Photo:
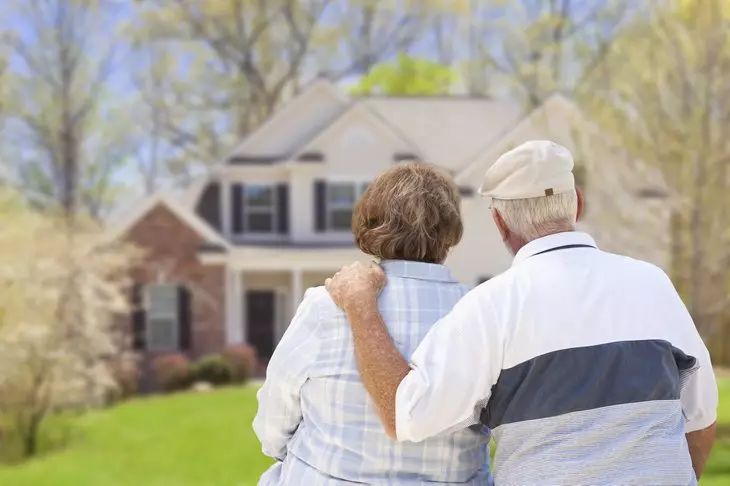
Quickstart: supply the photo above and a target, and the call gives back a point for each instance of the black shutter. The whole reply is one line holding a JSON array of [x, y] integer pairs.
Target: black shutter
[[138, 318], [282, 208], [184, 317], [237, 208], [320, 206]]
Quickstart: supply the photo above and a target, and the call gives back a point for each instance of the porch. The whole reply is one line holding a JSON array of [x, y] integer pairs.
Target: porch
[[264, 287]]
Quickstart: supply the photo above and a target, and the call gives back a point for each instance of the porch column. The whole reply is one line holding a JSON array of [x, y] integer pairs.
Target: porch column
[[240, 302], [296, 289], [235, 332]]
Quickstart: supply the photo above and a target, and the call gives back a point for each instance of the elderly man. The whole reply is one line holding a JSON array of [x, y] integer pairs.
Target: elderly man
[[586, 365]]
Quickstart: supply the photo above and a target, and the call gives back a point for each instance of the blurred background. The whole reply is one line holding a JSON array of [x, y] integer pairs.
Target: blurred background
[[176, 173]]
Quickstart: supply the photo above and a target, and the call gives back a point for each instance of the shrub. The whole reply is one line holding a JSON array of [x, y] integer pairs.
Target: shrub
[[242, 359], [212, 369], [126, 376], [172, 371]]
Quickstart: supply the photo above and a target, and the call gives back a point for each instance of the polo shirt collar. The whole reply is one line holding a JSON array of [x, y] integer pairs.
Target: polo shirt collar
[[417, 270], [552, 241]]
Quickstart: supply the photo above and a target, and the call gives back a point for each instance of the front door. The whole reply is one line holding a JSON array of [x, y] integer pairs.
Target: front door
[[260, 314]]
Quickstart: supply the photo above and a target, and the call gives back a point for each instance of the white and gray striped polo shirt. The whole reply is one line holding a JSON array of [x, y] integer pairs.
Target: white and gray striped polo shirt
[[586, 365]]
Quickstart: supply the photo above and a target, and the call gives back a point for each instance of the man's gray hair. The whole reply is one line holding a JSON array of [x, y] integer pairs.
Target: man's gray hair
[[536, 217]]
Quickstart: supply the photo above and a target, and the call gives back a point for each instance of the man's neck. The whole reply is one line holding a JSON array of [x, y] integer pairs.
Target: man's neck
[[515, 243]]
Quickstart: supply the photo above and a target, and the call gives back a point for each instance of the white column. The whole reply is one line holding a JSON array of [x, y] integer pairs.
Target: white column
[[234, 302], [240, 291], [225, 192], [296, 289]]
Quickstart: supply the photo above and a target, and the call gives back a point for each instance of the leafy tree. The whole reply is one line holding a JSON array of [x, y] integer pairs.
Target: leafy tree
[[662, 91], [58, 338], [407, 76], [66, 130], [529, 49]]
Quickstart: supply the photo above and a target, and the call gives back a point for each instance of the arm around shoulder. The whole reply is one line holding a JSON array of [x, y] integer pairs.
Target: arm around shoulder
[[453, 370]]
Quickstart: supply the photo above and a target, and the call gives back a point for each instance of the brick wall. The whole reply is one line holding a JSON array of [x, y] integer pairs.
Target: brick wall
[[170, 247]]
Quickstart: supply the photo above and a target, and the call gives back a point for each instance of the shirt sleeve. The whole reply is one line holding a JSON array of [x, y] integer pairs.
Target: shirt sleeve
[[279, 408], [452, 371], [699, 394]]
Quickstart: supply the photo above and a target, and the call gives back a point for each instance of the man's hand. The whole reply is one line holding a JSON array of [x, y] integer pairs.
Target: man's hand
[[355, 283]]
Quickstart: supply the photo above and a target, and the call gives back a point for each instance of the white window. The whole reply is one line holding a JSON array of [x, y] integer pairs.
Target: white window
[[341, 198], [259, 209], [162, 325]]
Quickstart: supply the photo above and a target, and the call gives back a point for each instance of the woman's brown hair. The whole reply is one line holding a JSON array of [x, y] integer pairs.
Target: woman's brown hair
[[410, 212]]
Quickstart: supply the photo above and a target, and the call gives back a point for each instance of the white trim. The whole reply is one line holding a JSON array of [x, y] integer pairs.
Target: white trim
[[191, 219], [296, 289], [281, 300], [226, 215], [263, 259], [365, 114]]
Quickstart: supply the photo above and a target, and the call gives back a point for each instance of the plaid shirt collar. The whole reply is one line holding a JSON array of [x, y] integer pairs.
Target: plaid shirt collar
[[417, 270]]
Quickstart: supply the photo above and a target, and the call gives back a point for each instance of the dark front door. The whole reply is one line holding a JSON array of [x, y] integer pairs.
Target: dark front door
[[260, 321]]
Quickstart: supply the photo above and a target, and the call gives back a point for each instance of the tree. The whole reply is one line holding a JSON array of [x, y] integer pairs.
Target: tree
[[529, 49], [407, 76], [662, 91], [57, 341], [66, 131], [231, 63]]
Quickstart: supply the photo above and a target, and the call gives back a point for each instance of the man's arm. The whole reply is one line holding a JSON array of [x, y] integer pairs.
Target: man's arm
[[699, 398], [452, 369], [279, 412], [382, 367], [700, 444]]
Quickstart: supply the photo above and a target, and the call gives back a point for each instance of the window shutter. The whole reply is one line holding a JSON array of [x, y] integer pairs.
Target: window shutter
[[282, 208], [138, 318], [184, 317], [237, 208], [320, 206]]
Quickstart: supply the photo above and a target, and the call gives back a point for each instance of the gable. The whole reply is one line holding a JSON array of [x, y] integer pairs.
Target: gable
[[160, 202], [449, 131], [360, 142], [293, 124]]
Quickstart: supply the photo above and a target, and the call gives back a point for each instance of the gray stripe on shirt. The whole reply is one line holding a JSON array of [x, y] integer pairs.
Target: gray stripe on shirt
[[631, 444], [587, 378]]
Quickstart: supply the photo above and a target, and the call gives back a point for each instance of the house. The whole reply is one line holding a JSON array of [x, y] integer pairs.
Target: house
[[229, 259]]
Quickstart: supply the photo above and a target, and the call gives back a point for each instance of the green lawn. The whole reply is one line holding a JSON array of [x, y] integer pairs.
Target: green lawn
[[197, 440]]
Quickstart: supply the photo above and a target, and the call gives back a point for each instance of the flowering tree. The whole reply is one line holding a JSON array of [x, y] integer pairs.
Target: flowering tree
[[60, 287]]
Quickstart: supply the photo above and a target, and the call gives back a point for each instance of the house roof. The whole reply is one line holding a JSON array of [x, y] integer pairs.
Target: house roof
[[449, 131]]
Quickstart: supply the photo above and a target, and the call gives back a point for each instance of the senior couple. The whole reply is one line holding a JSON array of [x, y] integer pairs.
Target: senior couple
[[584, 365]]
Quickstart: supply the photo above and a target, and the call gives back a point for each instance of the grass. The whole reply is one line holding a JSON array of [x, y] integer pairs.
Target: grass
[[191, 439], [202, 440]]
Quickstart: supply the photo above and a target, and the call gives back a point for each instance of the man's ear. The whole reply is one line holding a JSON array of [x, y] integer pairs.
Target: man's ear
[[581, 202], [501, 226]]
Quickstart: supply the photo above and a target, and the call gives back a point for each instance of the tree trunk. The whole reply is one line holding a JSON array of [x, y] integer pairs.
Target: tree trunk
[[30, 436]]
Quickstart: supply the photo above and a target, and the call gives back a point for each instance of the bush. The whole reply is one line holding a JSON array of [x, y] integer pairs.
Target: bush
[[126, 374], [172, 371], [242, 359], [212, 369]]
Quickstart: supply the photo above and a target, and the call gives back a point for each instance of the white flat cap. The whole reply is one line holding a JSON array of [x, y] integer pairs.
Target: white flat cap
[[534, 169]]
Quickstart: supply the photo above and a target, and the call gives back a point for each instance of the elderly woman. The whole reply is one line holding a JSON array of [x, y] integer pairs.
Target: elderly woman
[[314, 416]]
